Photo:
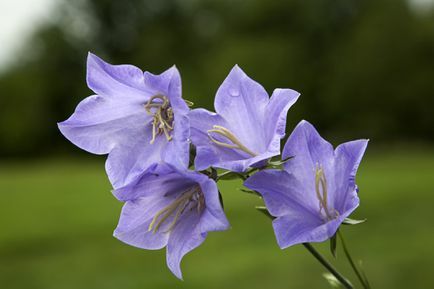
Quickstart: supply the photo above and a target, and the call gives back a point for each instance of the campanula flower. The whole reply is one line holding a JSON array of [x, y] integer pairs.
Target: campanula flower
[[316, 190], [247, 127], [137, 118], [172, 208]]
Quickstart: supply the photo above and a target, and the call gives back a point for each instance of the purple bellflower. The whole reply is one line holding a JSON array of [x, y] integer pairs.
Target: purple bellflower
[[316, 190], [247, 127], [137, 118], [167, 206]]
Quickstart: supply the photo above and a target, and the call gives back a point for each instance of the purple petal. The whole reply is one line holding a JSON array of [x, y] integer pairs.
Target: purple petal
[[99, 123], [297, 211], [283, 194], [347, 159], [177, 151], [241, 101], [309, 150], [120, 81], [157, 179], [300, 228], [168, 83], [209, 154], [275, 122], [136, 216], [213, 218], [133, 155], [185, 237]]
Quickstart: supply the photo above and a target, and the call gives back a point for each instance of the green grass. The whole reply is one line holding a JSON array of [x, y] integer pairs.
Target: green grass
[[57, 217]]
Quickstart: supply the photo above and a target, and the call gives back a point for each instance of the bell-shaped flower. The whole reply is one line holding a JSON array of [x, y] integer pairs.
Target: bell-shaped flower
[[247, 127], [315, 192], [172, 208], [137, 118]]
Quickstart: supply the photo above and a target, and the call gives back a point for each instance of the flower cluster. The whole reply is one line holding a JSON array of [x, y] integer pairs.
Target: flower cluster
[[148, 131]]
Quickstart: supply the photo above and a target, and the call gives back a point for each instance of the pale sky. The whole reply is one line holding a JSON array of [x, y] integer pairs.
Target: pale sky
[[18, 18]]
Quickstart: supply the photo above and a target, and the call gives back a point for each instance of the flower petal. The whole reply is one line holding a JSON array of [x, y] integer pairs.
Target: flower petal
[[283, 194], [309, 150], [213, 218], [136, 216], [299, 228], [208, 153], [159, 178], [241, 101], [117, 81], [347, 159], [130, 158], [185, 237], [168, 83], [99, 123], [275, 122], [177, 151]]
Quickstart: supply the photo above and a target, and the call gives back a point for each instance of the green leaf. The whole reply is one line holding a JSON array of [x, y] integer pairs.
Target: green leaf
[[348, 221], [333, 244], [332, 280]]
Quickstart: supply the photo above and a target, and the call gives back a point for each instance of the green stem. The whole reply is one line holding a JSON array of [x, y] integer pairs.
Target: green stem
[[344, 281], [362, 280]]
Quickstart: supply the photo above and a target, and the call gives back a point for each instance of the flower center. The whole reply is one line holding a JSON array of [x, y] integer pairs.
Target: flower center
[[159, 107], [235, 142], [321, 194], [188, 200]]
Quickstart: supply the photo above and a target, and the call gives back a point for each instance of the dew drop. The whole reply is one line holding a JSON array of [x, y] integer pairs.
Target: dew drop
[[234, 92]]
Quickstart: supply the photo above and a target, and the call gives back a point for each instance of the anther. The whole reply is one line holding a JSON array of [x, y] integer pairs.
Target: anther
[[162, 116]]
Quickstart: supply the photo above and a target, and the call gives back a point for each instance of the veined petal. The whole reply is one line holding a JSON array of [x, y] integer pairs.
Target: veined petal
[[99, 123], [309, 151], [283, 194], [133, 227], [117, 81], [275, 121], [299, 228], [241, 101], [208, 153], [177, 151], [213, 218], [185, 237], [168, 83], [347, 159], [159, 178], [132, 156]]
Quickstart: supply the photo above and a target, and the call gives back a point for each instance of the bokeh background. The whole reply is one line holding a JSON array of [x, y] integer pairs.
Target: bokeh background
[[365, 69]]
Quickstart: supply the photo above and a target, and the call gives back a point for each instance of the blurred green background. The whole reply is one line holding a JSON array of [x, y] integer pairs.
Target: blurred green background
[[365, 70]]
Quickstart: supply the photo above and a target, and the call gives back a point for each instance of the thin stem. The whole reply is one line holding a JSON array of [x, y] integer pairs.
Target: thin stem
[[344, 281], [362, 280]]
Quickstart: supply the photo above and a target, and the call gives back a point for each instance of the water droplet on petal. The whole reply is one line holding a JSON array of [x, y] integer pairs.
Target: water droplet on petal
[[234, 92]]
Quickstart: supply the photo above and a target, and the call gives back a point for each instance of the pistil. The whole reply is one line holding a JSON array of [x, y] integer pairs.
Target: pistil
[[321, 192], [235, 142]]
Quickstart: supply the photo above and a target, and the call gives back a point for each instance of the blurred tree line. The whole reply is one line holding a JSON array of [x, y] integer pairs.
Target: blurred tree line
[[365, 68]]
